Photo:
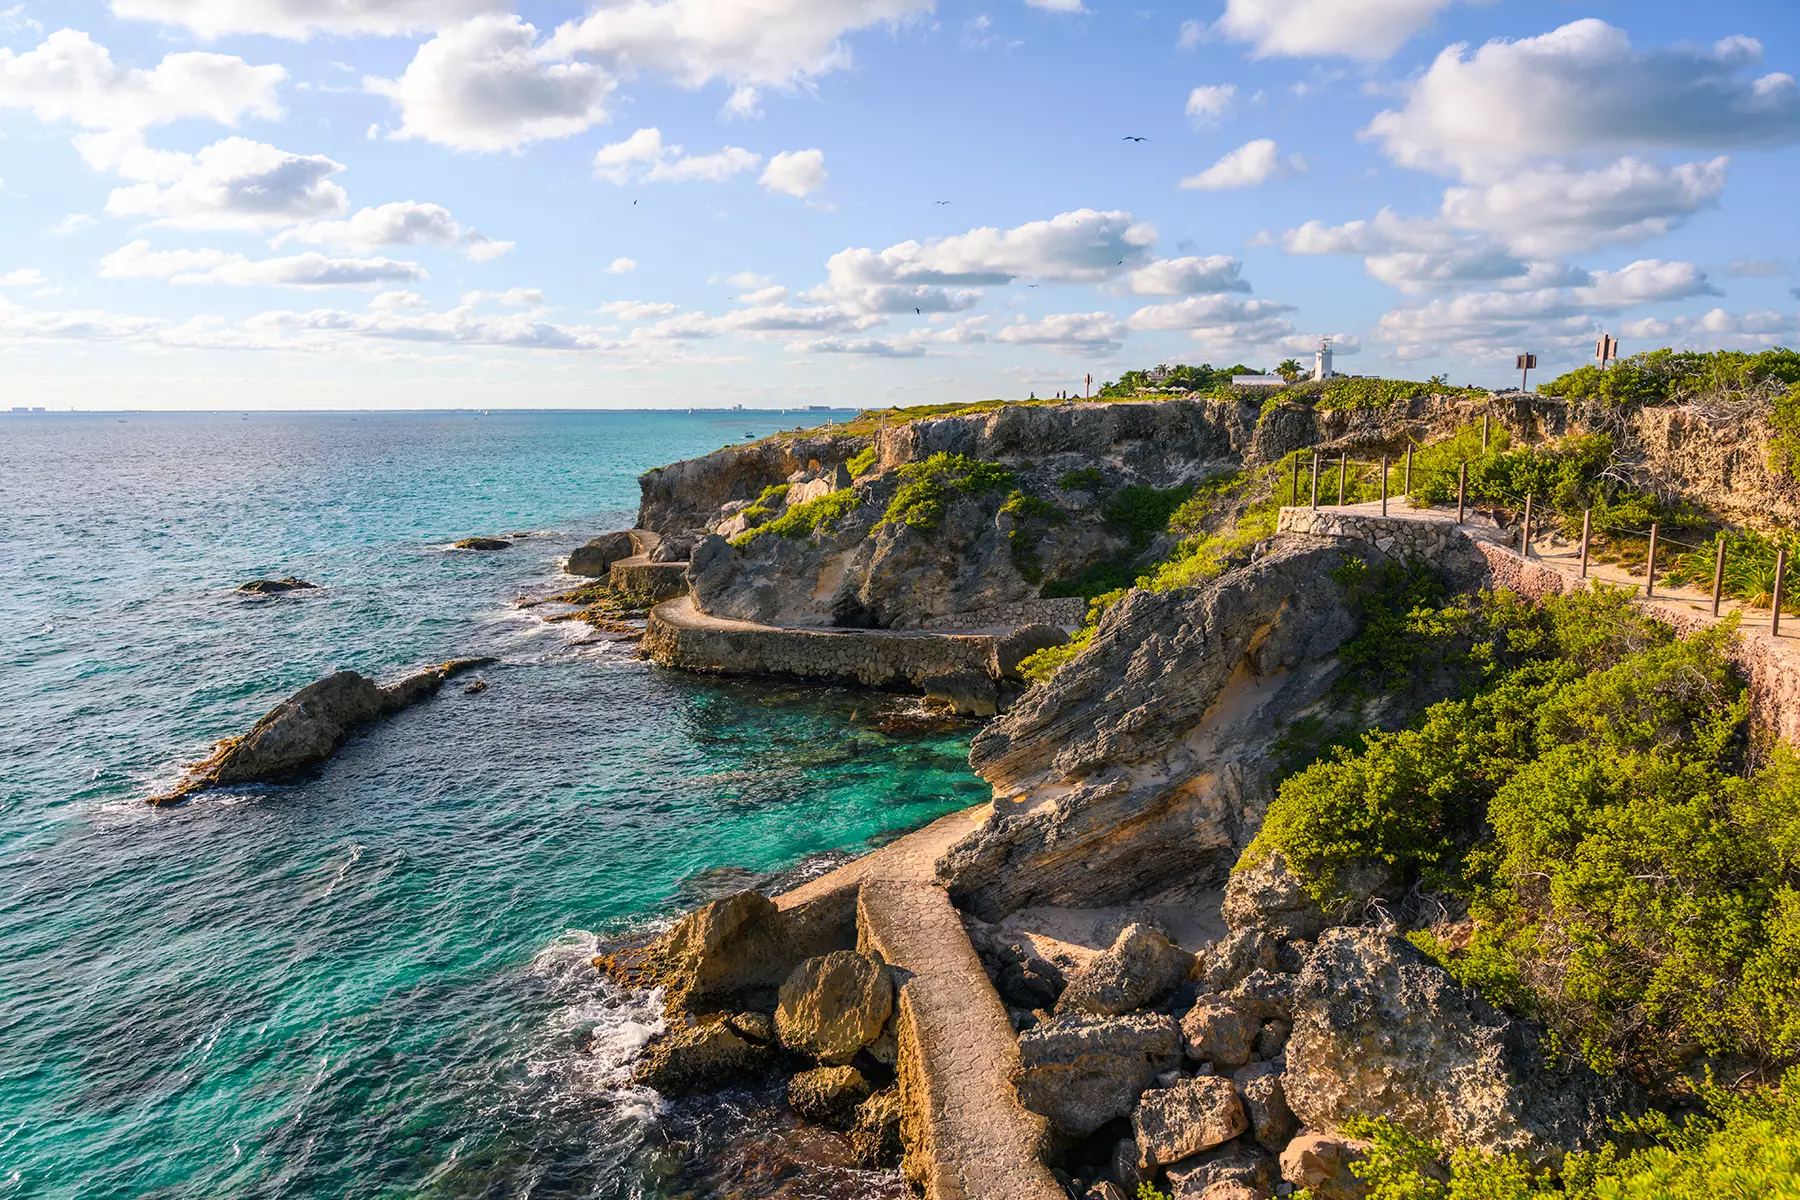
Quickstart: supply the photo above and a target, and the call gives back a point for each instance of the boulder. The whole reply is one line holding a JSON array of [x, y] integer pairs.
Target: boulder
[[1081, 1071], [1217, 1031], [1106, 1189], [1269, 898], [274, 587], [1265, 994], [597, 557], [1320, 1163], [1265, 1103], [308, 727], [828, 1095], [1231, 959], [1380, 1030], [832, 1006], [875, 1138], [1140, 968], [966, 693], [1236, 1163], [1021, 644], [705, 1054], [483, 543], [1274, 1037], [731, 950], [1026, 981], [1228, 1190], [673, 549], [1196, 1114]]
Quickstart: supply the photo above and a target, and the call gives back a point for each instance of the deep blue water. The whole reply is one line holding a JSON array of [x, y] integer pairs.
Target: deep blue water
[[373, 982]]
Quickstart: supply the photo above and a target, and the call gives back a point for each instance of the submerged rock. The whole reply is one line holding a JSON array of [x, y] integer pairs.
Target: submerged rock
[[275, 587], [308, 727], [1139, 969], [875, 1138], [834, 1005], [1082, 1071], [483, 543], [597, 557], [705, 1054], [1380, 1030]]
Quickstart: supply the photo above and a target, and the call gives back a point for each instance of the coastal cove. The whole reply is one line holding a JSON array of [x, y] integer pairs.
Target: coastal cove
[[375, 981]]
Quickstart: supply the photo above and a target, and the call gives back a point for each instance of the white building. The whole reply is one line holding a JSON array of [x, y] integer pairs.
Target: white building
[[1322, 361], [1258, 381]]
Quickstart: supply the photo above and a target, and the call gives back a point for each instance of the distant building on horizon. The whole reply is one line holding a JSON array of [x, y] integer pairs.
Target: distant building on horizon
[[1258, 381]]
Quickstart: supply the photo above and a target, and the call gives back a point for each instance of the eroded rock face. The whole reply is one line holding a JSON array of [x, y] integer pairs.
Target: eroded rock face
[[828, 1095], [308, 727], [1081, 1072], [834, 1005], [1194, 1115], [1136, 971], [706, 1054], [1217, 1031], [875, 1138], [1380, 1030], [723, 952], [598, 556]]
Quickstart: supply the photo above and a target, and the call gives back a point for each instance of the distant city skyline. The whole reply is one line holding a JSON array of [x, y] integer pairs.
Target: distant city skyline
[[347, 204]]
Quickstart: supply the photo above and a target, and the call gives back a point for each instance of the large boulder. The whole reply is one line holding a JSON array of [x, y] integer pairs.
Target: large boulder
[[704, 1054], [1196, 1114], [1234, 1164], [275, 587], [828, 1095], [965, 692], [832, 1006], [729, 951], [1322, 1164], [1140, 968], [1268, 897], [1265, 1103], [597, 557], [1081, 1071], [875, 1138], [1380, 1030], [1219, 1032]]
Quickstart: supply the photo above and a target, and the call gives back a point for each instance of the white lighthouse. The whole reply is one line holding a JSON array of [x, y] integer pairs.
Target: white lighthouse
[[1322, 361]]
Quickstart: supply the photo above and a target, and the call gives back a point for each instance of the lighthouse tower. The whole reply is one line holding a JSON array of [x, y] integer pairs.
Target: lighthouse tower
[[1322, 361]]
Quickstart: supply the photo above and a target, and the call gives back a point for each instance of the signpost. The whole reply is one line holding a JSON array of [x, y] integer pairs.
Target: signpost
[[1526, 364], [1606, 350]]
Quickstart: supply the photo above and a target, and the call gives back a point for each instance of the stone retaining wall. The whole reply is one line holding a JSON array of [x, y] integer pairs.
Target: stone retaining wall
[[1066, 612], [642, 577], [1403, 537], [677, 636]]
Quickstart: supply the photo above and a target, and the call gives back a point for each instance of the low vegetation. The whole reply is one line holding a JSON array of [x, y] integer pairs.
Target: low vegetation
[[1370, 393], [1750, 561], [927, 489], [815, 516], [1679, 377], [862, 462]]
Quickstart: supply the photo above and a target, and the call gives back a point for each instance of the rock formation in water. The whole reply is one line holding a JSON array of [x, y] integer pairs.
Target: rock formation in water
[[483, 543], [275, 587], [597, 557], [308, 727]]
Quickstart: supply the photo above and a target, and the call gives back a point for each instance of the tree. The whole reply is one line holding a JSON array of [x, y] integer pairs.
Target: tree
[[1439, 381], [1289, 369]]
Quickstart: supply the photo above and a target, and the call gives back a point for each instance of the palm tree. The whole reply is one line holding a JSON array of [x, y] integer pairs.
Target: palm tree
[[1439, 381], [1289, 370]]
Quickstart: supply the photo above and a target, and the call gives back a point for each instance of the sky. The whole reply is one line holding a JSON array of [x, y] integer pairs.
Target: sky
[[670, 203]]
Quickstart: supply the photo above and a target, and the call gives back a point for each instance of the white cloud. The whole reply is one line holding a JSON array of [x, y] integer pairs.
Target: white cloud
[[16, 18], [511, 297], [748, 279], [396, 300], [865, 347], [768, 295], [1068, 333], [24, 277], [138, 261], [1583, 90], [644, 158], [1717, 330], [1756, 268], [487, 85], [1553, 209], [779, 43], [1063, 6], [1644, 282], [71, 78], [638, 310], [1368, 29], [1219, 320], [73, 223], [302, 18], [400, 223], [1191, 34], [621, 266], [1188, 276], [795, 172], [1250, 164], [232, 184], [459, 326], [1206, 106]]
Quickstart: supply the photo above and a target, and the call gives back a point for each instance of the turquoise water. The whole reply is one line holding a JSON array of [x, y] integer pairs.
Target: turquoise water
[[373, 982]]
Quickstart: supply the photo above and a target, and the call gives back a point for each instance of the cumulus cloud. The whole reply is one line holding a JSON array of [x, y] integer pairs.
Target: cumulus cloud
[[397, 300], [1553, 209], [73, 223], [638, 310], [1250, 164], [643, 158], [1584, 90], [487, 85], [1717, 330], [1370, 30], [303, 18], [863, 347], [1417, 254], [458, 326], [795, 172], [232, 184], [1068, 333], [138, 261], [511, 297], [24, 277], [1207, 105], [1188, 277], [71, 78], [400, 223], [747, 43], [621, 266], [1756, 268], [1219, 320], [1645, 282]]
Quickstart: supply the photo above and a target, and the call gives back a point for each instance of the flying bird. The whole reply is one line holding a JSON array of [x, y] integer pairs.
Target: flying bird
[[940, 202], [1031, 285], [919, 312], [1129, 138]]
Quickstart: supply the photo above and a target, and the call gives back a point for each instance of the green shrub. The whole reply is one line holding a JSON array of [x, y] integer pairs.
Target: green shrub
[[1674, 376], [928, 488], [817, 515], [1040, 665], [1565, 479], [1083, 479], [1029, 514], [1140, 513], [861, 462], [1749, 567], [1784, 427]]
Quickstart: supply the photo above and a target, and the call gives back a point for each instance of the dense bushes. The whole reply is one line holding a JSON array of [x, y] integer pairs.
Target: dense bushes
[[928, 488], [817, 515], [1675, 376], [1566, 478], [1627, 882]]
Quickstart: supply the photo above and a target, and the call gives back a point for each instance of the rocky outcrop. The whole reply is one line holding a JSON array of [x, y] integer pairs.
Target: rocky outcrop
[[1380, 1030], [875, 1137], [597, 557], [1147, 761], [1195, 1114], [308, 727], [276, 587], [834, 1005], [1081, 1072], [1324, 1163], [1138, 970], [706, 1053], [482, 543], [830, 1096]]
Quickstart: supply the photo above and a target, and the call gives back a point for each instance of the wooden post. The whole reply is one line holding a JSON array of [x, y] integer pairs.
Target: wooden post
[[1407, 491], [1718, 574], [1525, 530], [1650, 567], [1315, 491], [1343, 473], [1296, 481], [1384, 485], [1587, 525], [1484, 433], [1462, 490], [1780, 578]]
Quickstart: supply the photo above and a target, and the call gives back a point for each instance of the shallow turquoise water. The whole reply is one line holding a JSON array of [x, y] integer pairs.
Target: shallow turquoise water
[[374, 982]]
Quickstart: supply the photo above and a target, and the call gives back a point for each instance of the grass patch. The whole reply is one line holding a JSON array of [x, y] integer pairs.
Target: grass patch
[[817, 515]]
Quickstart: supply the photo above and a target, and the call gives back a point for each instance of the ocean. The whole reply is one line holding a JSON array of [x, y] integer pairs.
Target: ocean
[[375, 981]]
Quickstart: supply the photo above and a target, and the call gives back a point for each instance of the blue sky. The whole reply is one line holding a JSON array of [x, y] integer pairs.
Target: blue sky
[[424, 203]]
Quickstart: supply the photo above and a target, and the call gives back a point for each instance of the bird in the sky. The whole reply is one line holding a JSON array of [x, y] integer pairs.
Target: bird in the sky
[[940, 202], [1031, 285], [1129, 138], [919, 312]]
